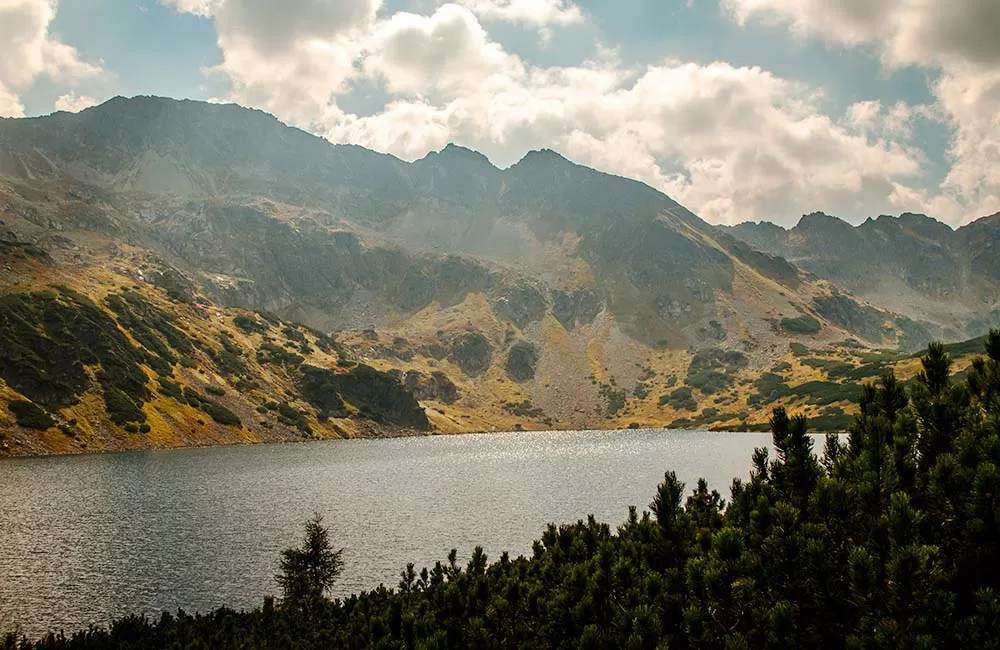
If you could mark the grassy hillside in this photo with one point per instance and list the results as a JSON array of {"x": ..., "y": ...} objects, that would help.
[
  {"x": 118, "y": 364},
  {"x": 122, "y": 353}
]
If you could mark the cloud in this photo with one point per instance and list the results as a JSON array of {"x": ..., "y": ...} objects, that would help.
[
  {"x": 955, "y": 38},
  {"x": 924, "y": 32},
  {"x": 27, "y": 52},
  {"x": 196, "y": 7},
  {"x": 275, "y": 27},
  {"x": 10, "y": 104},
  {"x": 289, "y": 58},
  {"x": 972, "y": 102},
  {"x": 536, "y": 13},
  {"x": 737, "y": 143},
  {"x": 445, "y": 54},
  {"x": 73, "y": 103}
]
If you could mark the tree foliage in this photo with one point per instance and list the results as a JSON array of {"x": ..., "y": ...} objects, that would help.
[
  {"x": 889, "y": 538},
  {"x": 308, "y": 573}
]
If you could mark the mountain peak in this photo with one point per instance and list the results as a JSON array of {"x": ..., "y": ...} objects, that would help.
[
  {"x": 762, "y": 225},
  {"x": 461, "y": 154},
  {"x": 543, "y": 154},
  {"x": 920, "y": 224},
  {"x": 821, "y": 221}
]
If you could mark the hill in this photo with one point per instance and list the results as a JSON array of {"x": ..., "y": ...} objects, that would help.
[{"x": 127, "y": 367}]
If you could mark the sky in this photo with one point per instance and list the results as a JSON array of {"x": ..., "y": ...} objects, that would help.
[{"x": 739, "y": 109}]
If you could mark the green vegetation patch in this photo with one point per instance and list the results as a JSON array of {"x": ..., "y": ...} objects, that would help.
[
  {"x": 830, "y": 419},
  {"x": 770, "y": 388},
  {"x": 822, "y": 393},
  {"x": 229, "y": 359},
  {"x": 376, "y": 395},
  {"x": 46, "y": 340},
  {"x": 269, "y": 353},
  {"x": 152, "y": 328},
  {"x": 614, "y": 399},
  {"x": 214, "y": 410},
  {"x": 709, "y": 381},
  {"x": 293, "y": 334},
  {"x": 804, "y": 324},
  {"x": 524, "y": 409},
  {"x": 874, "y": 366},
  {"x": 321, "y": 388},
  {"x": 834, "y": 369},
  {"x": 30, "y": 416},
  {"x": 864, "y": 371},
  {"x": 681, "y": 399},
  {"x": 798, "y": 349},
  {"x": 292, "y": 417},
  {"x": 522, "y": 359},
  {"x": 963, "y": 348},
  {"x": 713, "y": 370},
  {"x": 120, "y": 407},
  {"x": 472, "y": 353},
  {"x": 249, "y": 324},
  {"x": 49, "y": 339},
  {"x": 169, "y": 388},
  {"x": 707, "y": 417}
]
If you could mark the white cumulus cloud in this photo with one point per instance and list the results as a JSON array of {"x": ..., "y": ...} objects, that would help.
[
  {"x": 537, "y": 13},
  {"x": 27, "y": 51},
  {"x": 448, "y": 53},
  {"x": 73, "y": 103},
  {"x": 955, "y": 38}
]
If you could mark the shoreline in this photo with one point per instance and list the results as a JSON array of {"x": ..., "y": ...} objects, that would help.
[{"x": 385, "y": 436}]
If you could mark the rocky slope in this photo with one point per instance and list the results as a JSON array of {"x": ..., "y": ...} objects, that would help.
[
  {"x": 122, "y": 354},
  {"x": 911, "y": 264},
  {"x": 542, "y": 295}
]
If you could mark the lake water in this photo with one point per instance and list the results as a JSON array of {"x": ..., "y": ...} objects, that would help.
[{"x": 84, "y": 539}]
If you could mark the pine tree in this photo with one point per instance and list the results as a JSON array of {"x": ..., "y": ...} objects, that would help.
[{"x": 308, "y": 573}]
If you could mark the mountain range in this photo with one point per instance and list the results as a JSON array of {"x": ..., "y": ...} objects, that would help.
[
  {"x": 542, "y": 295},
  {"x": 911, "y": 264}
]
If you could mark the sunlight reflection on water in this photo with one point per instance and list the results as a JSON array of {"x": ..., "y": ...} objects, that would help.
[{"x": 87, "y": 538}]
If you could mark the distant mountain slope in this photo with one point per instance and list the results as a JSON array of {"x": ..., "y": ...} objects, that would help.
[
  {"x": 547, "y": 294},
  {"x": 186, "y": 148},
  {"x": 296, "y": 225},
  {"x": 911, "y": 264}
]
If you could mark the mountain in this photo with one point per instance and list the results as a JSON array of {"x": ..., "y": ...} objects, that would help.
[
  {"x": 911, "y": 264},
  {"x": 135, "y": 369},
  {"x": 546, "y": 294}
]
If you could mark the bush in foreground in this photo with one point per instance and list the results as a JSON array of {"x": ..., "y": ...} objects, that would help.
[{"x": 888, "y": 540}]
